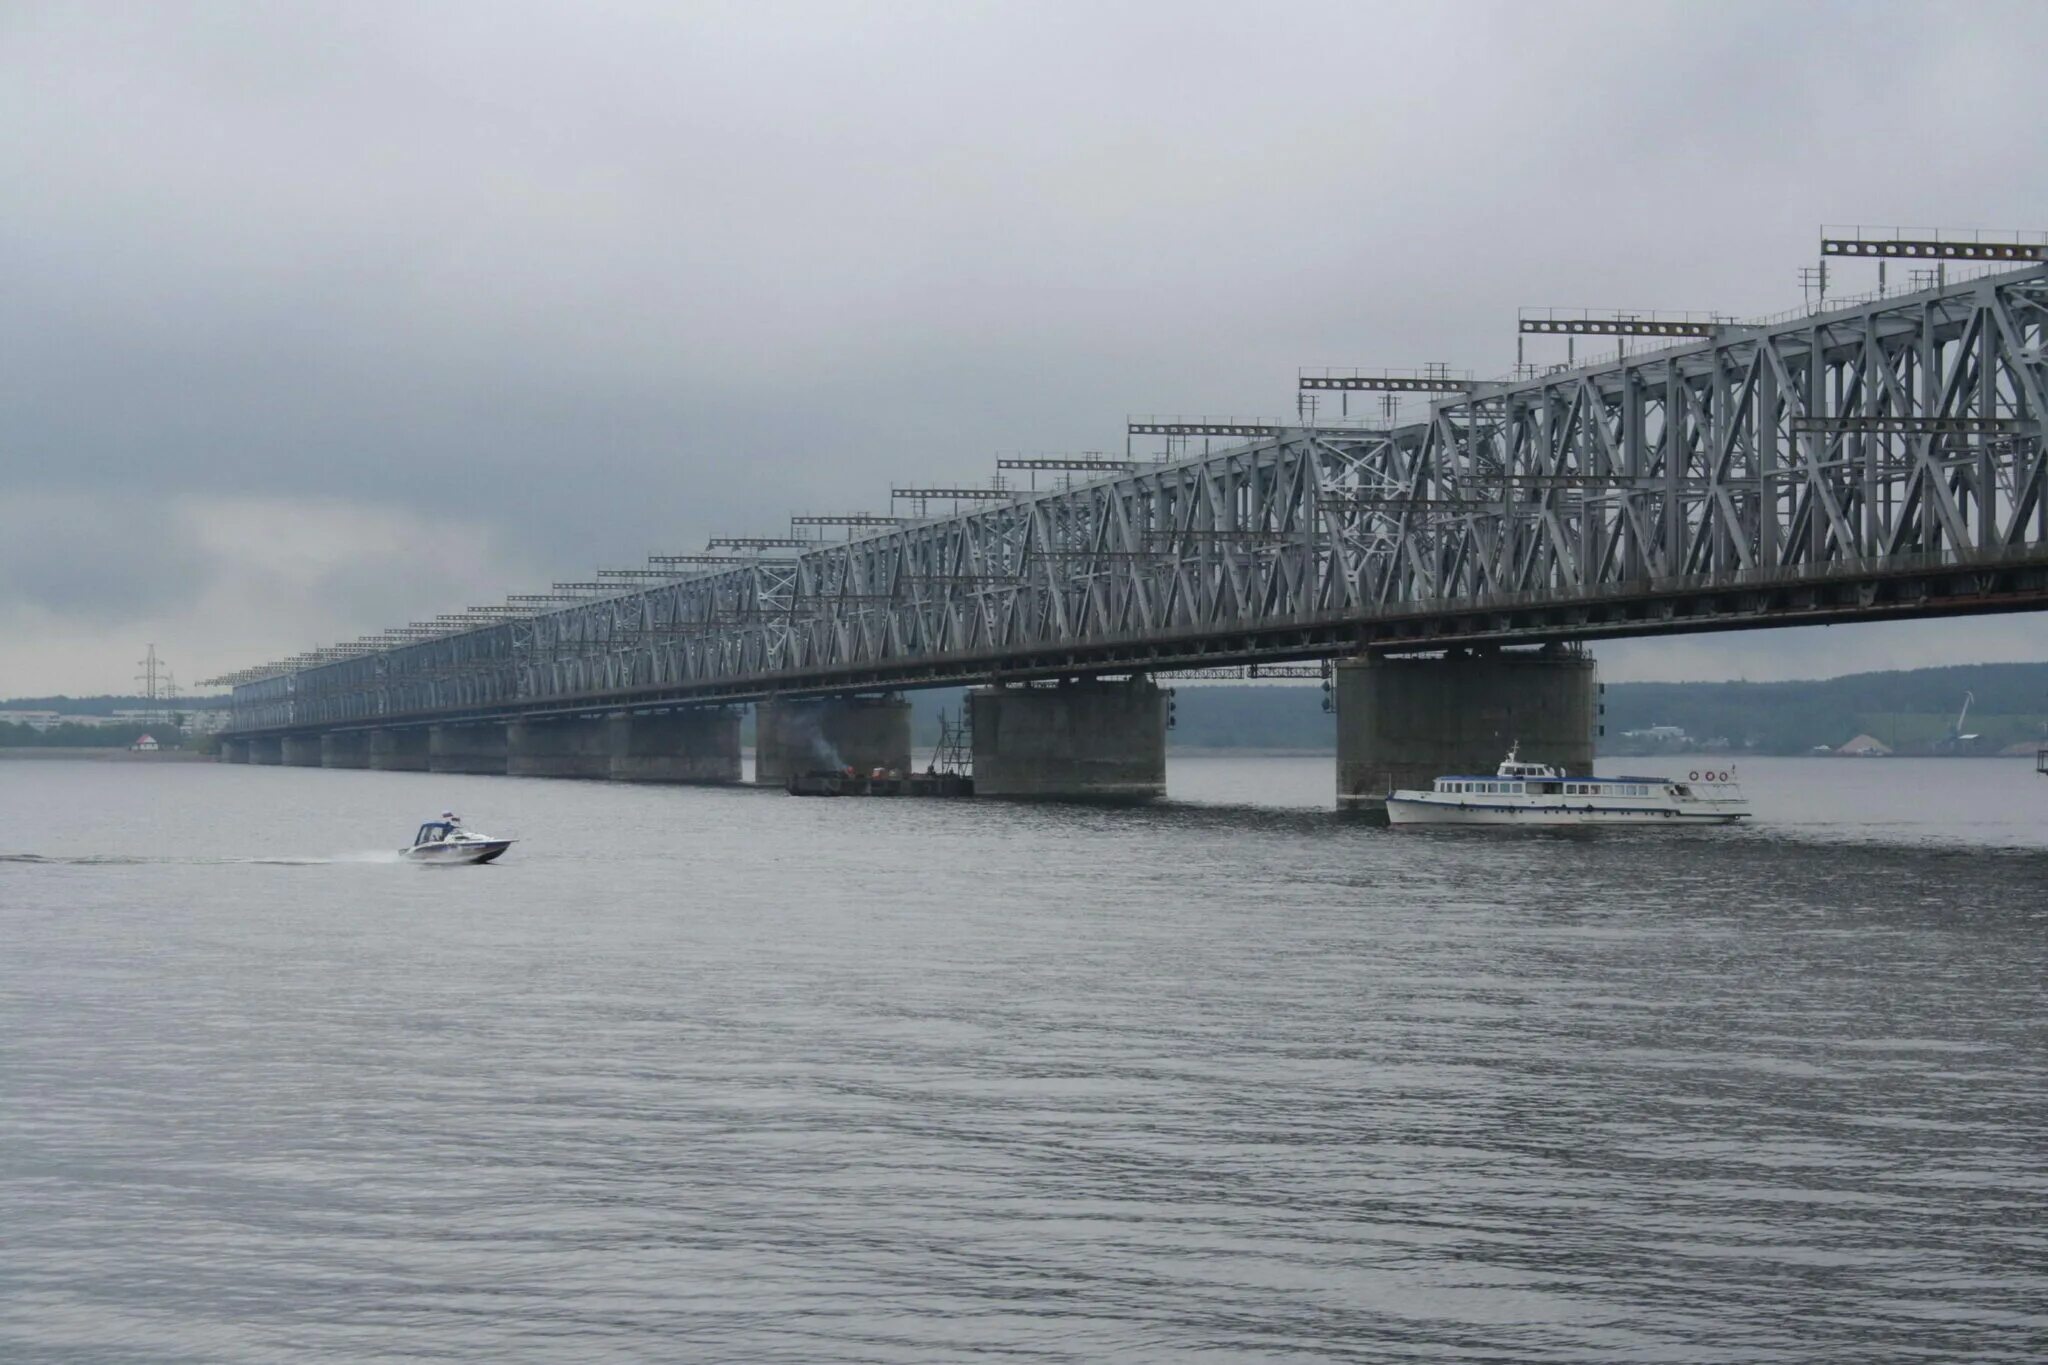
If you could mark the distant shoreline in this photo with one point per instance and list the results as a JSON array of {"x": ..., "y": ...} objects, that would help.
[
  {"x": 54, "y": 751},
  {"x": 1245, "y": 751}
]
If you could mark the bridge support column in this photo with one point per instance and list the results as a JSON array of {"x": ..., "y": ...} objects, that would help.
[
  {"x": 232, "y": 751},
  {"x": 1086, "y": 741},
  {"x": 863, "y": 733},
  {"x": 345, "y": 749},
  {"x": 398, "y": 751},
  {"x": 477, "y": 748},
  {"x": 1404, "y": 722},
  {"x": 572, "y": 746},
  {"x": 301, "y": 751},
  {"x": 266, "y": 750},
  {"x": 698, "y": 745}
]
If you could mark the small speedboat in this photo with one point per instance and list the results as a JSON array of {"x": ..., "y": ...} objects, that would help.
[
  {"x": 446, "y": 841},
  {"x": 1537, "y": 794}
]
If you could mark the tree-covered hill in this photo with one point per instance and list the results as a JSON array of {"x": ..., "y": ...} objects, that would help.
[{"x": 1907, "y": 710}]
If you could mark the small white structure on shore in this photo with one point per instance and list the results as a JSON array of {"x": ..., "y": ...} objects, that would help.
[
  {"x": 144, "y": 744},
  {"x": 1863, "y": 746}
]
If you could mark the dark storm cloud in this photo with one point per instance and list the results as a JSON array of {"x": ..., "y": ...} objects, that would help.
[
  {"x": 608, "y": 278},
  {"x": 111, "y": 558}
]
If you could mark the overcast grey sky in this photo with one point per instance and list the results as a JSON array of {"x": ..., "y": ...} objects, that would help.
[{"x": 323, "y": 317}]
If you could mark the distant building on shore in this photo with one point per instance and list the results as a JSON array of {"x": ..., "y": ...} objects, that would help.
[
  {"x": 1657, "y": 734},
  {"x": 206, "y": 720},
  {"x": 1864, "y": 746}
]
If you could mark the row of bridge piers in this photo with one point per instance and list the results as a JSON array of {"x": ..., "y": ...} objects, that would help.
[{"x": 1401, "y": 722}]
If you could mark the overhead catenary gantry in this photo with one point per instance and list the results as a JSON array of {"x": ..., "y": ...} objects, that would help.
[
  {"x": 1431, "y": 379},
  {"x": 849, "y": 519},
  {"x": 954, "y": 494},
  {"x": 1089, "y": 464},
  {"x": 1201, "y": 427},
  {"x": 710, "y": 559},
  {"x": 921, "y": 498},
  {"x": 1548, "y": 323},
  {"x": 1928, "y": 253},
  {"x": 1069, "y": 468},
  {"x": 1933, "y": 249}
]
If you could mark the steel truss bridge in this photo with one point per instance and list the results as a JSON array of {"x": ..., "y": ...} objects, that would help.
[{"x": 1881, "y": 459}]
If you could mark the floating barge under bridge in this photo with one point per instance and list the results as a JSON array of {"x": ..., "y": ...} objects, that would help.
[{"x": 826, "y": 783}]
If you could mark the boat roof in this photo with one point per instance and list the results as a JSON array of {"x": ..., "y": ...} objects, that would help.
[{"x": 1550, "y": 774}]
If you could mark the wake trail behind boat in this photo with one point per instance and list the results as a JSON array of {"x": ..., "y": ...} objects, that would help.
[{"x": 129, "y": 860}]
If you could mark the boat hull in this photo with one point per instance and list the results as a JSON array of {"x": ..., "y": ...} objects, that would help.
[
  {"x": 1402, "y": 810},
  {"x": 451, "y": 855}
]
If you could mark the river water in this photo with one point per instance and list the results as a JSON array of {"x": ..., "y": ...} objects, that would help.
[{"x": 720, "y": 1075}]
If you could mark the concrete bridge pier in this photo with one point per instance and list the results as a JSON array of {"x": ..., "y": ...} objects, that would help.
[
  {"x": 398, "y": 751},
  {"x": 862, "y": 733},
  {"x": 301, "y": 751},
  {"x": 345, "y": 749},
  {"x": 701, "y": 744},
  {"x": 1083, "y": 741},
  {"x": 475, "y": 748},
  {"x": 1404, "y": 722},
  {"x": 232, "y": 751},
  {"x": 265, "y": 749},
  {"x": 567, "y": 746}
]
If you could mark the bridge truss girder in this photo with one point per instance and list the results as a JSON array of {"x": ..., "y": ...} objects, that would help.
[{"x": 1746, "y": 464}]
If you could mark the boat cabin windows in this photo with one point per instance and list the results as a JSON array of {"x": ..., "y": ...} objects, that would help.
[
  {"x": 1608, "y": 789},
  {"x": 433, "y": 832},
  {"x": 1548, "y": 782}
]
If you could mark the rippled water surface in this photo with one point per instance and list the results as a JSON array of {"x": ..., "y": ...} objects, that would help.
[{"x": 721, "y": 1075}]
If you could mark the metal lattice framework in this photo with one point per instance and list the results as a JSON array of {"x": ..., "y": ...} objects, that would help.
[{"x": 1882, "y": 458}]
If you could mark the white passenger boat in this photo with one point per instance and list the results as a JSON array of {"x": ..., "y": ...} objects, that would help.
[
  {"x": 446, "y": 841},
  {"x": 1535, "y": 794}
]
